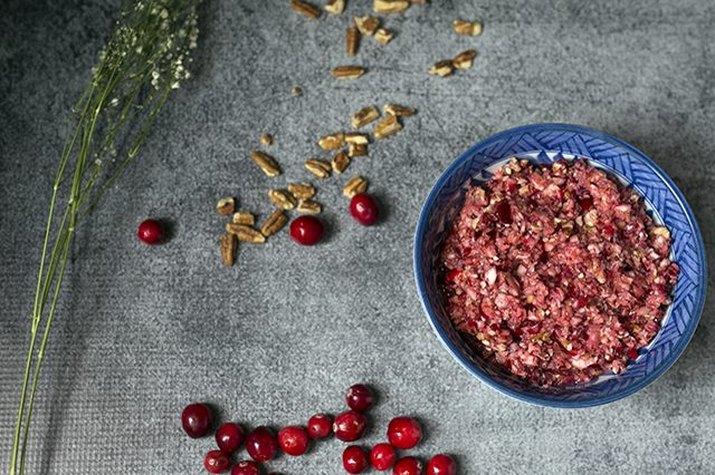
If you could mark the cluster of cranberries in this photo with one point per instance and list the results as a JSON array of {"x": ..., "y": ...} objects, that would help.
[{"x": 262, "y": 444}]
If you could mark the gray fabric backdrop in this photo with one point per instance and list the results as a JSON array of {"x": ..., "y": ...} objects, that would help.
[{"x": 142, "y": 331}]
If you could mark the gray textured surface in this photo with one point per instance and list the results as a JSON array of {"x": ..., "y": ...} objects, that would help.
[{"x": 142, "y": 331}]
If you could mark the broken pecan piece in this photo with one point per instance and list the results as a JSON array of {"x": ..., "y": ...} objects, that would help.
[
  {"x": 467, "y": 28},
  {"x": 340, "y": 162},
  {"x": 332, "y": 142},
  {"x": 309, "y": 207},
  {"x": 245, "y": 233},
  {"x": 364, "y": 116},
  {"x": 442, "y": 68},
  {"x": 228, "y": 249},
  {"x": 348, "y": 72},
  {"x": 226, "y": 206},
  {"x": 243, "y": 217},
  {"x": 305, "y": 9},
  {"x": 319, "y": 168},
  {"x": 282, "y": 198},
  {"x": 267, "y": 163},
  {"x": 274, "y": 223},
  {"x": 302, "y": 191},
  {"x": 357, "y": 150},
  {"x": 390, "y": 125},
  {"x": 354, "y": 186},
  {"x": 390, "y": 6}
]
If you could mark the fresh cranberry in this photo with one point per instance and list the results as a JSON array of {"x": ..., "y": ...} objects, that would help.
[
  {"x": 586, "y": 203},
  {"x": 246, "y": 467},
  {"x": 306, "y": 230},
  {"x": 150, "y": 232},
  {"x": 504, "y": 212},
  {"x": 441, "y": 464},
  {"x": 293, "y": 440},
  {"x": 355, "y": 459},
  {"x": 349, "y": 426},
  {"x": 261, "y": 444},
  {"x": 359, "y": 397},
  {"x": 407, "y": 466},
  {"x": 404, "y": 432},
  {"x": 229, "y": 437},
  {"x": 320, "y": 426},
  {"x": 453, "y": 275},
  {"x": 217, "y": 462},
  {"x": 364, "y": 209},
  {"x": 383, "y": 456},
  {"x": 632, "y": 354},
  {"x": 196, "y": 419}
]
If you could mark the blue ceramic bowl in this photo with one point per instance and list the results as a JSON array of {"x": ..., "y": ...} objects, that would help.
[{"x": 546, "y": 143}]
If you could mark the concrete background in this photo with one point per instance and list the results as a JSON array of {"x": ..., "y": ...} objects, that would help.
[{"x": 143, "y": 331}]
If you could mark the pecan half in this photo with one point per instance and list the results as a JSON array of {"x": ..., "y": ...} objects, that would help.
[
  {"x": 243, "y": 217},
  {"x": 354, "y": 186},
  {"x": 305, "y": 9},
  {"x": 442, "y": 68},
  {"x": 352, "y": 40},
  {"x": 364, "y": 116},
  {"x": 465, "y": 59},
  {"x": 302, "y": 191},
  {"x": 356, "y": 137},
  {"x": 348, "y": 72},
  {"x": 398, "y": 110},
  {"x": 282, "y": 198},
  {"x": 319, "y": 168},
  {"x": 309, "y": 207},
  {"x": 367, "y": 25},
  {"x": 332, "y": 142},
  {"x": 390, "y": 125},
  {"x": 226, "y": 206},
  {"x": 467, "y": 28},
  {"x": 357, "y": 150},
  {"x": 390, "y": 6},
  {"x": 274, "y": 223},
  {"x": 340, "y": 162},
  {"x": 245, "y": 233},
  {"x": 227, "y": 244},
  {"x": 267, "y": 163}
]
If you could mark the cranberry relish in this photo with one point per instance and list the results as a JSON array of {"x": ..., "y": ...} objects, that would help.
[{"x": 557, "y": 272}]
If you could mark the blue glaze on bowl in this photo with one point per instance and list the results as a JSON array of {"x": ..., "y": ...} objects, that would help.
[{"x": 546, "y": 143}]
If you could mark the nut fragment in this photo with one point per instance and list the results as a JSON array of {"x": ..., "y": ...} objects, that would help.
[
  {"x": 357, "y": 150},
  {"x": 305, "y": 9},
  {"x": 243, "y": 217},
  {"x": 356, "y": 185},
  {"x": 332, "y": 141},
  {"x": 390, "y": 125},
  {"x": 226, "y": 206},
  {"x": 390, "y": 6},
  {"x": 245, "y": 233},
  {"x": 398, "y": 110},
  {"x": 309, "y": 207},
  {"x": 384, "y": 36},
  {"x": 364, "y": 116},
  {"x": 319, "y": 168},
  {"x": 282, "y": 198},
  {"x": 340, "y": 161},
  {"x": 302, "y": 191},
  {"x": 356, "y": 137},
  {"x": 296, "y": 91},
  {"x": 352, "y": 40},
  {"x": 267, "y": 163},
  {"x": 367, "y": 25},
  {"x": 468, "y": 28},
  {"x": 267, "y": 139},
  {"x": 227, "y": 244},
  {"x": 274, "y": 223},
  {"x": 465, "y": 59},
  {"x": 442, "y": 68},
  {"x": 347, "y": 72},
  {"x": 336, "y": 7}
]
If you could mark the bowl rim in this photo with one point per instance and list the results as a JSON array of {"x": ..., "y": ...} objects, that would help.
[{"x": 482, "y": 376}]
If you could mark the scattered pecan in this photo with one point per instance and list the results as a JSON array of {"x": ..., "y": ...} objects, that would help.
[
  {"x": 384, "y": 36},
  {"x": 282, "y": 198},
  {"x": 390, "y": 125},
  {"x": 226, "y": 206},
  {"x": 398, "y": 110},
  {"x": 228, "y": 249},
  {"x": 332, "y": 141},
  {"x": 340, "y": 162},
  {"x": 356, "y": 137},
  {"x": 367, "y": 25},
  {"x": 357, "y": 150},
  {"x": 364, "y": 116},
  {"x": 243, "y": 217},
  {"x": 245, "y": 233},
  {"x": 274, "y": 223},
  {"x": 390, "y": 6},
  {"x": 296, "y": 91},
  {"x": 305, "y": 9},
  {"x": 336, "y": 7},
  {"x": 319, "y": 168},
  {"x": 442, "y": 68},
  {"x": 302, "y": 191},
  {"x": 309, "y": 207},
  {"x": 465, "y": 59},
  {"x": 354, "y": 186},
  {"x": 267, "y": 139},
  {"x": 467, "y": 28},
  {"x": 352, "y": 40},
  {"x": 348, "y": 72},
  {"x": 267, "y": 163}
]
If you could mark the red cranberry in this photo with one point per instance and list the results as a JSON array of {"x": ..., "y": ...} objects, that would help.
[
  {"x": 364, "y": 209},
  {"x": 359, "y": 397},
  {"x": 407, "y": 466},
  {"x": 355, "y": 459},
  {"x": 217, "y": 462},
  {"x": 586, "y": 203},
  {"x": 196, "y": 419},
  {"x": 229, "y": 437},
  {"x": 150, "y": 232},
  {"x": 293, "y": 440},
  {"x": 632, "y": 354},
  {"x": 306, "y": 230},
  {"x": 320, "y": 426},
  {"x": 453, "y": 275},
  {"x": 404, "y": 432},
  {"x": 441, "y": 464},
  {"x": 504, "y": 212},
  {"x": 261, "y": 444},
  {"x": 383, "y": 456},
  {"x": 349, "y": 426},
  {"x": 246, "y": 467}
]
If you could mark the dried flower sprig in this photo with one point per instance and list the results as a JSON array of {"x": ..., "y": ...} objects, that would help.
[{"x": 145, "y": 59}]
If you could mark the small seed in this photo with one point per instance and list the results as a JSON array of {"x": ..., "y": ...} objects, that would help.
[
  {"x": 267, "y": 139},
  {"x": 390, "y": 125},
  {"x": 352, "y": 40},
  {"x": 340, "y": 162},
  {"x": 390, "y": 6},
  {"x": 442, "y": 68},
  {"x": 282, "y": 198},
  {"x": 364, "y": 116},
  {"x": 356, "y": 185},
  {"x": 309, "y": 207},
  {"x": 319, "y": 168},
  {"x": 367, "y": 25},
  {"x": 296, "y": 91},
  {"x": 356, "y": 137},
  {"x": 467, "y": 28},
  {"x": 357, "y": 150},
  {"x": 243, "y": 217},
  {"x": 245, "y": 233},
  {"x": 465, "y": 60},
  {"x": 274, "y": 223},
  {"x": 226, "y": 206},
  {"x": 305, "y": 9},
  {"x": 398, "y": 110},
  {"x": 332, "y": 141},
  {"x": 267, "y": 163},
  {"x": 302, "y": 191},
  {"x": 336, "y": 7},
  {"x": 348, "y": 72},
  {"x": 384, "y": 36},
  {"x": 228, "y": 249}
]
